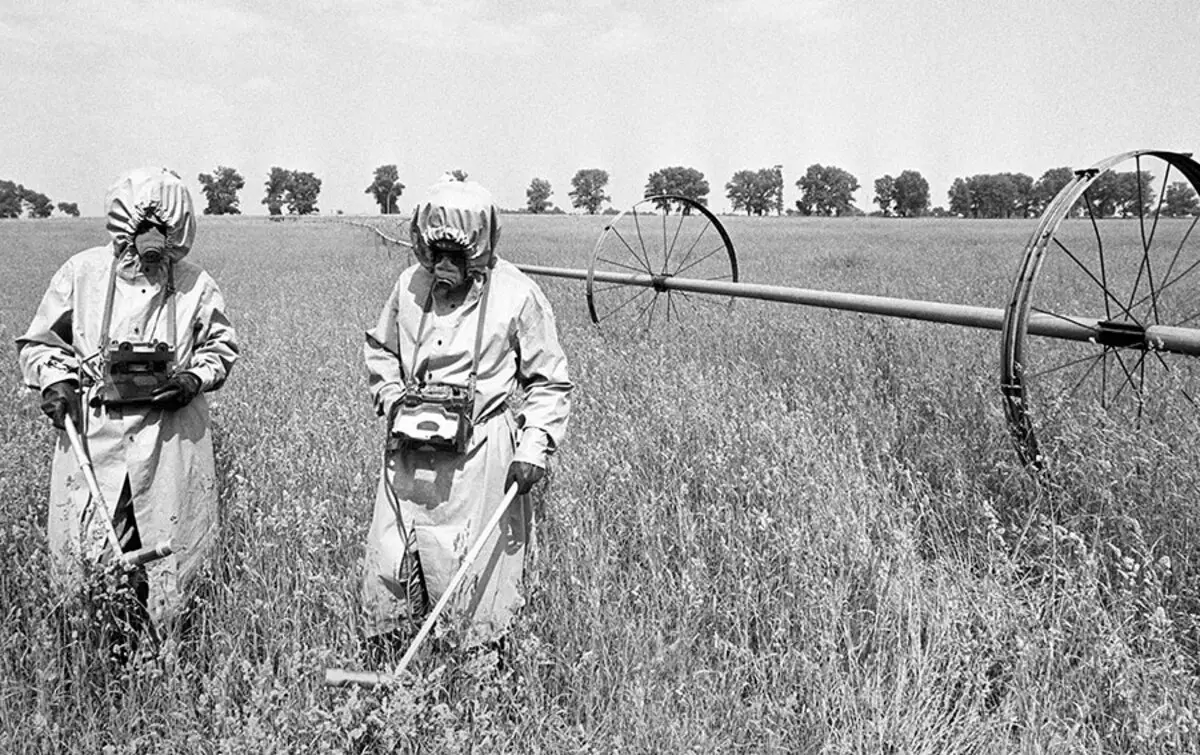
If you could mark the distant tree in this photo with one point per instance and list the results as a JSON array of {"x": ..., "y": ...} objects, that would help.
[
  {"x": 1133, "y": 193},
  {"x": 38, "y": 204},
  {"x": 985, "y": 195},
  {"x": 277, "y": 183},
  {"x": 69, "y": 208},
  {"x": 301, "y": 193},
  {"x": 386, "y": 188},
  {"x": 960, "y": 199},
  {"x": 1113, "y": 193},
  {"x": 685, "y": 182},
  {"x": 1024, "y": 204},
  {"x": 459, "y": 174},
  {"x": 11, "y": 195},
  {"x": 885, "y": 193},
  {"x": 755, "y": 191},
  {"x": 995, "y": 195},
  {"x": 777, "y": 182},
  {"x": 826, "y": 190},
  {"x": 221, "y": 188},
  {"x": 1048, "y": 186},
  {"x": 910, "y": 194},
  {"x": 537, "y": 196},
  {"x": 588, "y": 192},
  {"x": 1181, "y": 200}
]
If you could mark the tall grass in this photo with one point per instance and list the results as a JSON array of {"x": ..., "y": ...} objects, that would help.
[{"x": 779, "y": 530}]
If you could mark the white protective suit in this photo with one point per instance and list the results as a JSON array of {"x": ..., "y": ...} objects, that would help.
[
  {"x": 165, "y": 457},
  {"x": 434, "y": 503}
]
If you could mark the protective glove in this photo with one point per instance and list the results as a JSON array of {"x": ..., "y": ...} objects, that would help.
[
  {"x": 524, "y": 474},
  {"x": 177, "y": 392},
  {"x": 59, "y": 401}
]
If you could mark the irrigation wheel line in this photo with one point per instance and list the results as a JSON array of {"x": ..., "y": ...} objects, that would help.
[
  {"x": 1141, "y": 274},
  {"x": 662, "y": 236},
  {"x": 1130, "y": 358}
]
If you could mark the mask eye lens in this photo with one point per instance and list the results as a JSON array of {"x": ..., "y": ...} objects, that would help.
[{"x": 454, "y": 253}]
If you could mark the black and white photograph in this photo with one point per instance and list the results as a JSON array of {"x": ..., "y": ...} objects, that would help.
[{"x": 479, "y": 376}]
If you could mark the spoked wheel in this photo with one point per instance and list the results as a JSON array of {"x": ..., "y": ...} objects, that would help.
[
  {"x": 661, "y": 237},
  {"x": 1108, "y": 259}
]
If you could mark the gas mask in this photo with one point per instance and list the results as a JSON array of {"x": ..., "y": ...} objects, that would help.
[
  {"x": 150, "y": 249},
  {"x": 449, "y": 265}
]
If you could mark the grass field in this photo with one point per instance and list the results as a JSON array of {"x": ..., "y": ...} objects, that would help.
[{"x": 776, "y": 530}]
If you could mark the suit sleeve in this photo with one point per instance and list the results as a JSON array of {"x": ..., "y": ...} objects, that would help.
[
  {"x": 385, "y": 378},
  {"x": 542, "y": 372},
  {"x": 216, "y": 346},
  {"x": 45, "y": 352}
]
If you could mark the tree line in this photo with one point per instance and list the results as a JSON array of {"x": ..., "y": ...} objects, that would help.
[
  {"x": 825, "y": 190},
  {"x": 16, "y": 200}
]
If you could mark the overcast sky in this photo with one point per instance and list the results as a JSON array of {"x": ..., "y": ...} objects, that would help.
[{"x": 510, "y": 90}]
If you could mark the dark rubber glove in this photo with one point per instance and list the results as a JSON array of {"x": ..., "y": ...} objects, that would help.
[
  {"x": 59, "y": 401},
  {"x": 177, "y": 392},
  {"x": 524, "y": 474}
]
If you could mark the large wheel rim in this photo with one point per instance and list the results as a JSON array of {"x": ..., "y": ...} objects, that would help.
[
  {"x": 1129, "y": 273},
  {"x": 660, "y": 237}
]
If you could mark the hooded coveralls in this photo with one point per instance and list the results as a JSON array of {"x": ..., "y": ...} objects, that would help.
[
  {"x": 431, "y": 505},
  {"x": 165, "y": 457}
]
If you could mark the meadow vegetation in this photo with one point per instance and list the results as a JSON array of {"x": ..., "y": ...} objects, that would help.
[{"x": 774, "y": 529}]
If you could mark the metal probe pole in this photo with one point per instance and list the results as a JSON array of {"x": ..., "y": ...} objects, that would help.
[
  {"x": 127, "y": 560},
  {"x": 342, "y": 678}
]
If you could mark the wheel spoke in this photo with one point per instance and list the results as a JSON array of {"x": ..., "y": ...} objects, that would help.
[
  {"x": 700, "y": 299},
  {"x": 1129, "y": 380},
  {"x": 1063, "y": 366},
  {"x": 1100, "y": 255},
  {"x": 1082, "y": 379},
  {"x": 640, "y": 271},
  {"x": 1162, "y": 288},
  {"x": 1167, "y": 368},
  {"x": 1057, "y": 316},
  {"x": 674, "y": 240},
  {"x": 1187, "y": 319},
  {"x": 1144, "y": 265},
  {"x": 641, "y": 241},
  {"x": 642, "y": 312},
  {"x": 666, "y": 250},
  {"x": 700, "y": 260},
  {"x": 1107, "y": 294},
  {"x": 692, "y": 248},
  {"x": 599, "y": 289},
  {"x": 1158, "y": 207},
  {"x": 623, "y": 304},
  {"x": 1179, "y": 250},
  {"x": 634, "y": 254}
]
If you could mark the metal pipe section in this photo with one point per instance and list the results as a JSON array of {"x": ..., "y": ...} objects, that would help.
[{"x": 1157, "y": 337}]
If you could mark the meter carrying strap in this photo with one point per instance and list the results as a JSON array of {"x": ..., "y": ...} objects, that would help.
[
  {"x": 133, "y": 370},
  {"x": 439, "y": 416}
]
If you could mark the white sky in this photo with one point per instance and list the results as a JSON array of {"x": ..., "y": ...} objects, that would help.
[{"x": 509, "y": 90}]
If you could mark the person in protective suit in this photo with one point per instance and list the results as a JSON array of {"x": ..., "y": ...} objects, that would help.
[
  {"x": 126, "y": 341},
  {"x": 461, "y": 332}
]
